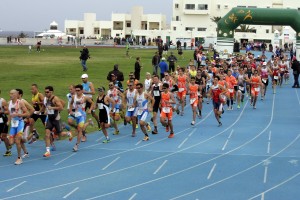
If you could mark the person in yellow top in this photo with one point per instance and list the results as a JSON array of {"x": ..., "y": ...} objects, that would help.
[{"x": 37, "y": 102}]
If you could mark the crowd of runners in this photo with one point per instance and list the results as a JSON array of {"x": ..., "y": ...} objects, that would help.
[{"x": 223, "y": 83}]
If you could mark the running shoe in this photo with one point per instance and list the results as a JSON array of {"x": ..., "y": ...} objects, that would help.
[
  {"x": 47, "y": 154},
  {"x": 148, "y": 127},
  {"x": 181, "y": 114},
  {"x": 136, "y": 126},
  {"x": 220, "y": 124},
  {"x": 238, "y": 106},
  {"x": 83, "y": 139},
  {"x": 91, "y": 122},
  {"x": 26, "y": 155},
  {"x": 177, "y": 111},
  {"x": 171, "y": 135},
  {"x": 7, "y": 153},
  {"x": 19, "y": 161},
  {"x": 100, "y": 129},
  {"x": 146, "y": 138},
  {"x": 70, "y": 136},
  {"x": 154, "y": 132},
  {"x": 75, "y": 148},
  {"x": 53, "y": 147},
  {"x": 106, "y": 141},
  {"x": 167, "y": 128},
  {"x": 133, "y": 135},
  {"x": 117, "y": 132},
  {"x": 36, "y": 134},
  {"x": 193, "y": 123},
  {"x": 33, "y": 140}
]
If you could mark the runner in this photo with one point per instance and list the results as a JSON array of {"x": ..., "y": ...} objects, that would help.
[
  {"x": 103, "y": 102},
  {"x": 166, "y": 114},
  {"x": 194, "y": 89},
  {"x": 141, "y": 101},
  {"x": 156, "y": 93},
  {"x": 128, "y": 100},
  {"x": 3, "y": 125},
  {"x": 231, "y": 82},
  {"x": 17, "y": 110},
  {"x": 241, "y": 81},
  {"x": 255, "y": 82},
  {"x": 79, "y": 101},
  {"x": 264, "y": 72},
  {"x": 89, "y": 91},
  {"x": 53, "y": 106},
  {"x": 182, "y": 81},
  {"x": 200, "y": 80},
  {"x": 215, "y": 91},
  {"x": 37, "y": 103},
  {"x": 275, "y": 76}
]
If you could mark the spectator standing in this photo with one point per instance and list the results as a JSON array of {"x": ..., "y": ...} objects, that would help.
[
  {"x": 85, "y": 54},
  {"x": 296, "y": 71},
  {"x": 38, "y": 46},
  {"x": 155, "y": 63},
  {"x": 172, "y": 60},
  {"x": 116, "y": 72},
  {"x": 137, "y": 68},
  {"x": 165, "y": 49},
  {"x": 163, "y": 67}
]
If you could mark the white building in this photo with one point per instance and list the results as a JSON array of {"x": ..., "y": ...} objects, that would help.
[
  {"x": 193, "y": 19},
  {"x": 136, "y": 24},
  {"x": 53, "y": 32}
]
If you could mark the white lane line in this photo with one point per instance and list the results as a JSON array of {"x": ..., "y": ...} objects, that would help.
[
  {"x": 230, "y": 134},
  {"x": 262, "y": 196},
  {"x": 297, "y": 96},
  {"x": 65, "y": 159},
  {"x": 269, "y": 147},
  {"x": 270, "y": 135},
  {"x": 159, "y": 168},
  {"x": 67, "y": 195},
  {"x": 139, "y": 142},
  {"x": 211, "y": 171},
  {"x": 16, "y": 186},
  {"x": 132, "y": 197},
  {"x": 192, "y": 132},
  {"x": 112, "y": 162},
  {"x": 99, "y": 139},
  {"x": 266, "y": 174},
  {"x": 182, "y": 143},
  {"x": 225, "y": 145}
]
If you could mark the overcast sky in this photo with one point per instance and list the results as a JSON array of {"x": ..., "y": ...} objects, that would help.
[{"x": 36, "y": 15}]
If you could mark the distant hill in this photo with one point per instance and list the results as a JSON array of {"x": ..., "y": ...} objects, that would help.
[{"x": 29, "y": 34}]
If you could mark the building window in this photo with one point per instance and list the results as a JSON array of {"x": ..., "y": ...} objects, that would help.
[
  {"x": 201, "y": 29},
  {"x": 190, "y": 6},
  {"x": 241, "y": 6},
  {"x": 267, "y": 31},
  {"x": 176, "y": 5},
  {"x": 174, "y": 28},
  {"x": 299, "y": 9},
  {"x": 128, "y": 24},
  {"x": 219, "y": 6},
  {"x": 177, "y": 18},
  {"x": 226, "y": 6},
  {"x": 252, "y": 6},
  {"x": 81, "y": 31},
  {"x": 189, "y": 28},
  {"x": 202, "y": 7}
]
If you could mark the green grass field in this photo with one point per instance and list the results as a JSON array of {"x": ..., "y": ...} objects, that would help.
[{"x": 60, "y": 67}]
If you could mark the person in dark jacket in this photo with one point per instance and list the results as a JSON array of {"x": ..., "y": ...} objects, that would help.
[
  {"x": 83, "y": 57},
  {"x": 155, "y": 62},
  {"x": 296, "y": 71},
  {"x": 137, "y": 68},
  {"x": 117, "y": 73}
]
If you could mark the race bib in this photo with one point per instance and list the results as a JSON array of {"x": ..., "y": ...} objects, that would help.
[
  {"x": 140, "y": 111},
  {"x": 230, "y": 90},
  {"x": 257, "y": 89},
  {"x": 192, "y": 100},
  {"x": 130, "y": 109},
  {"x": 100, "y": 105},
  {"x": 264, "y": 80},
  {"x": 14, "y": 123},
  {"x": 275, "y": 77},
  {"x": 1, "y": 120},
  {"x": 78, "y": 114},
  {"x": 166, "y": 109},
  {"x": 50, "y": 112},
  {"x": 156, "y": 93},
  {"x": 282, "y": 69},
  {"x": 180, "y": 89},
  {"x": 241, "y": 88},
  {"x": 198, "y": 93}
]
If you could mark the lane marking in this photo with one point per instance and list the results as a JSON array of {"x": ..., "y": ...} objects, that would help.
[
  {"x": 132, "y": 197},
  {"x": 225, "y": 145},
  {"x": 230, "y": 134},
  {"x": 269, "y": 142},
  {"x": 16, "y": 186},
  {"x": 211, "y": 171},
  {"x": 297, "y": 96},
  {"x": 73, "y": 154},
  {"x": 159, "y": 168},
  {"x": 112, "y": 162},
  {"x": 192, "y": 132},
  {"x": 182, "y": 143},
  {"x": 99, "y": 139},
  {"x": 265, "y": 174},
  {"x": 139, "y": 142},
  {"x": 262, "y": 196},
  {"x": 67, "y": 195}
]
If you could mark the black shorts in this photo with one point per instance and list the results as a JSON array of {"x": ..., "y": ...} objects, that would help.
[
  {"x": 156, "y": 106},
  {"x": 3, "y": 125},
  {"x": 235, "y": 88},
  {"x": 35, "y": 117},
  {"x": 88, "y": 105},
  {"x": 103, "y": 116},
  {"x": 54, "y": 124}
]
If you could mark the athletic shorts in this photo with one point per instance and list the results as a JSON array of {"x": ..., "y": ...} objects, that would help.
[
  {"x": 166, "y": 113},
  {"x": 3, "y": 124},
  {"x": 53, "y": 124},
  {"x": 255, "y": 91},
  {"x": 181, "y": 95},
  {"x": 156, "y": 106},
  {"x": 130, "y": 113},
  {"x": 16, "y": 128},
  {"x": 216, "y": 105},
  {"x": 104, "y": 116},
  {"x": 142, "y": 116},
  {"x": 194, "y": 102},
  {"x": 35, "y": 117}
]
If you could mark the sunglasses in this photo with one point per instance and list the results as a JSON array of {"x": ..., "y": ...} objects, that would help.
[
  {"x": 138, "y": 88},
  {"x": 166, "y": 75},
  {"x": 111, "y": 85},
  {"x": 77, "y": 90},
  {"x": 164, "y": 88},
  {"x": 47, "y": 92}
]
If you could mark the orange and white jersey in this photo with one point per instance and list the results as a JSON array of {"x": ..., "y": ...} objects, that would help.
[
  {"x": 193, "y": 91},
  {"x": 255, "y": 80},
  {"x": 181, "y": 82},
  {"x": 231, "y": 81}
]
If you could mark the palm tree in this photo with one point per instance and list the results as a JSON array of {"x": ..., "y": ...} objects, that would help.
[
  {"x": 215, "y": 19},
  {"x": 22, "y": 35}
]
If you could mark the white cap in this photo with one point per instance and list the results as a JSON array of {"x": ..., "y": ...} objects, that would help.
[
  {"x": 264, "y": 63},
  {"x": 163, "y": 58},
  {"x": 84, "y": 76}
]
